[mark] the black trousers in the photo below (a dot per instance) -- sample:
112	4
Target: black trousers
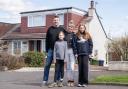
83	69
59	70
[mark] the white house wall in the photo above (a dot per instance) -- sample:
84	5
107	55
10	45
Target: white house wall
98	36
42	45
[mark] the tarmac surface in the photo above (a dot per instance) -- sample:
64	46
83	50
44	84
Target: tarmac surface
23	79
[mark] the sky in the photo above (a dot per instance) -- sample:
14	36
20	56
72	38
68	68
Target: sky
113	13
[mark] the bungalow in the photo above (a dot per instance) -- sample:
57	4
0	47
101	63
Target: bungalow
30	34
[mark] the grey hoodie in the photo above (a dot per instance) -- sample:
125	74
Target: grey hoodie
60	50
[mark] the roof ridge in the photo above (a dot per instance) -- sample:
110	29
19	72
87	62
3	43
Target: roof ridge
52	9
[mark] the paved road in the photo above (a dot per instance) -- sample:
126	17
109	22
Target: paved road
32	80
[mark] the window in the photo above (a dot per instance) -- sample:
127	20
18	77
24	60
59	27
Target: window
61	16
24	46
17	47
37	20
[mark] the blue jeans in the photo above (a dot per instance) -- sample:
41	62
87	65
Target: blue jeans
48	63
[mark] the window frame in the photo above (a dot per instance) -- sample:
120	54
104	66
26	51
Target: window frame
41	20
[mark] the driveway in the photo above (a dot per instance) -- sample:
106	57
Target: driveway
32	80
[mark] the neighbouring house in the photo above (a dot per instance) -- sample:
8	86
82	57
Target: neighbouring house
30	34
5	28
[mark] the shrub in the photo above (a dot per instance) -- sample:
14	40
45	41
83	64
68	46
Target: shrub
11	62
94	62
34	59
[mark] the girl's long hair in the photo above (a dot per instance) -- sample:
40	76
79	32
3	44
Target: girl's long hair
85	34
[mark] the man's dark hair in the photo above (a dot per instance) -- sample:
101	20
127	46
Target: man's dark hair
56	16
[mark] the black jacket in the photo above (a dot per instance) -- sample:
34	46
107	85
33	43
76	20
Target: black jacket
71	39
52	36
84	47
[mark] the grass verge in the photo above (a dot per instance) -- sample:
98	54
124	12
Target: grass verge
111	79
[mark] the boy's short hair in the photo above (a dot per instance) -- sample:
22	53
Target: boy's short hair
56	16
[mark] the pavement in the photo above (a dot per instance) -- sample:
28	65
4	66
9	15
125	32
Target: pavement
31	78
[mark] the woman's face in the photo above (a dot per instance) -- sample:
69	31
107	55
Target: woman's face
61	36
82	28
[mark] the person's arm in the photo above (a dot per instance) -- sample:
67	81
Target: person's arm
47	41
66	55
90	46
54	53
74	44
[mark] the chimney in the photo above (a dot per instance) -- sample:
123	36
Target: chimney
91	9
92	4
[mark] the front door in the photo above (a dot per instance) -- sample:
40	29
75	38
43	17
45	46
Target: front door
35	45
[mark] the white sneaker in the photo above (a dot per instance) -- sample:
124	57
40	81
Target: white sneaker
79	85
44	83
61	80
84	85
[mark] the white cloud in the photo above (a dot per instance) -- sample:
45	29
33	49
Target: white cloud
127	17
13	7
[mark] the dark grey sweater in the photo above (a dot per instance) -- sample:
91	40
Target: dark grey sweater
60	50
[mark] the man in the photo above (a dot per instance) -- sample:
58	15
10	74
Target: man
51	37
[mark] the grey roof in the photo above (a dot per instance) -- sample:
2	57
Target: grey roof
25	36
53	10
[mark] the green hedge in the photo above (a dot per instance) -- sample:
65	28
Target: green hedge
34	59
94	62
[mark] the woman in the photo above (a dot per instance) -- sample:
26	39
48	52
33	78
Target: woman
84	46
70	64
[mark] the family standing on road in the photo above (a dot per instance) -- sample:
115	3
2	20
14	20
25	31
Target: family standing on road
65	48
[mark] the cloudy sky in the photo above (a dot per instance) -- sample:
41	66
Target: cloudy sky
113	13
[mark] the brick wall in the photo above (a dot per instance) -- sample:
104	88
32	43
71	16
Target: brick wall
49	18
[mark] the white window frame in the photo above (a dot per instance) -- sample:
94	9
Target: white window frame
36	20
61	17
18	47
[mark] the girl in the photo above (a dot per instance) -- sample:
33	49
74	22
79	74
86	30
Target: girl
84	49
59	55
70	64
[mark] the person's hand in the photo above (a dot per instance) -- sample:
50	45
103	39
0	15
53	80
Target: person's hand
76	56
75	66
90	56
54	61
65	66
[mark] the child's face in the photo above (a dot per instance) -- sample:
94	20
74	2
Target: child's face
61	36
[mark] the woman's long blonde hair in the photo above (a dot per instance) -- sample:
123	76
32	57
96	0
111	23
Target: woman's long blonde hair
85	34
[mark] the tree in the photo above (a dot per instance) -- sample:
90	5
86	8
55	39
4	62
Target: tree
119	48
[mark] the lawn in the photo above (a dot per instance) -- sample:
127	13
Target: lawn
111	79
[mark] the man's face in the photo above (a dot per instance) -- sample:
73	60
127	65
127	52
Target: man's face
56	21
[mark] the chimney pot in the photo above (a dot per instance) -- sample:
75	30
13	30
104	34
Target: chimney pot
92	4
